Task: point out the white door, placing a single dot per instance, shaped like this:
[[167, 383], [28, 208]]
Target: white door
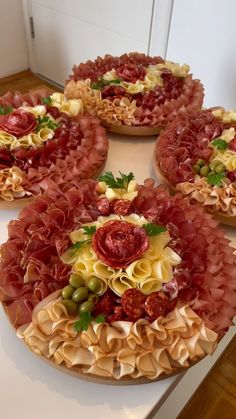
[[67, 32]]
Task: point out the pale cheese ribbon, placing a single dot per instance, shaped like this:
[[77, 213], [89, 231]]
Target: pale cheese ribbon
[[121, 349]]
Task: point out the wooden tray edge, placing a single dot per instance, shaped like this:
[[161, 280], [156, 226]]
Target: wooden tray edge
[[133, 131]]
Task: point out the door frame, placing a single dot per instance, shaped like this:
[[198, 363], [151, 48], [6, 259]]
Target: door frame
[[158, 37]]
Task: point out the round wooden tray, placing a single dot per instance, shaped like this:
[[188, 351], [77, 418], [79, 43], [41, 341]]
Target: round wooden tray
[[15, 204], [76, 372], [131, 130], [220, 216]]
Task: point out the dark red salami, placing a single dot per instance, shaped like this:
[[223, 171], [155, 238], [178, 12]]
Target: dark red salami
[[132, 302], [104, 305], [156, 304], [121, 206], [18, 123], [103, 206], [119, 243], [131, 73]]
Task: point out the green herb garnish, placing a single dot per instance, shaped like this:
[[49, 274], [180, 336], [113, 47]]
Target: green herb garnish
[[47, 101], [220, 144], [153, 229], [97, 85], [100, 318], [100, 83], [119, 182], [215, 178], [85, 320], [90, 230], [44, 122], [79, 244], [5, 110]]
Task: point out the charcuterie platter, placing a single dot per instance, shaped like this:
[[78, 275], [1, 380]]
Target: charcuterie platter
[[197, 156], [135, 94], [116, 281], [46, 139]]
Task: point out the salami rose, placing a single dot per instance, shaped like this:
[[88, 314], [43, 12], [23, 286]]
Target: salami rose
[[18, 123], [119, 243], [131, 72]]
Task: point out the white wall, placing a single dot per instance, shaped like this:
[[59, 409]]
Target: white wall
[[203, 35], [13, 49]]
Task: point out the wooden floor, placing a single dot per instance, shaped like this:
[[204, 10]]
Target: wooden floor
[[23, 82], [216, 397]]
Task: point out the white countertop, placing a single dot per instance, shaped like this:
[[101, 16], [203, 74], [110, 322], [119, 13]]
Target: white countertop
[[31, 389]]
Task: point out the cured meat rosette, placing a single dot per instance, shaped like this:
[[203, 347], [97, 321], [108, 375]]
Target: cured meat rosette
[[135, 90], [117, 280], [197, 156], [50, 140]]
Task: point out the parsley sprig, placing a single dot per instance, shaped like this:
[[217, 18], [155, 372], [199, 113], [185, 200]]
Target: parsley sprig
[[153, 229], [47, 101], [45, 122], [90, 230], [119, 182], [215, 178], [85, 319], [220, 144], [76, 246], [100, 83], [5, 110]]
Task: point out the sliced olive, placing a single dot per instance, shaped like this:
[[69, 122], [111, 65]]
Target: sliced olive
[[93, 298], [67, 292], [71, 307], [80, 294], [220, 168], [196, 168], [76, 281], [86, 307], [94, 284], [204, 171], [201, 162]]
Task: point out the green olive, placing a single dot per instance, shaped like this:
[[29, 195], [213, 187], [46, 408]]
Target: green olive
[[86, 307], [71, 307], [204, 171], [196, 168], [201, 162], [76, 281], [93, 298], [94, 284], [67, 292], [220, 168], [80, 294], [214, 164]]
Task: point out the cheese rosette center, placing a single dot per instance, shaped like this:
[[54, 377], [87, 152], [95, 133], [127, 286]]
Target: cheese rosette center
[[148, 272]]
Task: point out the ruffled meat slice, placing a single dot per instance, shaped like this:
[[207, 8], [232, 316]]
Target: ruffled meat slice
[[30, 263], [17, 99], [184, 142], [205, 279]]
